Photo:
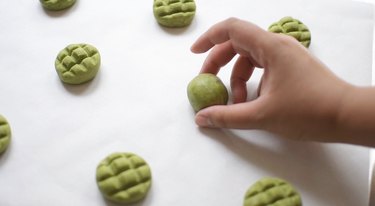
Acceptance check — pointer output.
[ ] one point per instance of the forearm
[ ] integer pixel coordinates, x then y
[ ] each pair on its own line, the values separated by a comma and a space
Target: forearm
356, 117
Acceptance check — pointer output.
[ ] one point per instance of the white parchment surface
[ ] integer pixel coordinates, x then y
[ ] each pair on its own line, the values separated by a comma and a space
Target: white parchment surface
137, 103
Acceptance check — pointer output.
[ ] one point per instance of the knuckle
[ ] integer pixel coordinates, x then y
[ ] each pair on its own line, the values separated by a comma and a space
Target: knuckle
232, 20
286, 40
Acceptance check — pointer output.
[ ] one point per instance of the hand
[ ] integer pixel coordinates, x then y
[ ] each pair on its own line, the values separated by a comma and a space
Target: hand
299, 96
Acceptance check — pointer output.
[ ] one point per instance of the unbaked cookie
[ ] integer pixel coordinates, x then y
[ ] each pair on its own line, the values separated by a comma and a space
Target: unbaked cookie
5, 134
206, 90
77, 63
123, 177
174, 13
272, 191
292, 27
56, 5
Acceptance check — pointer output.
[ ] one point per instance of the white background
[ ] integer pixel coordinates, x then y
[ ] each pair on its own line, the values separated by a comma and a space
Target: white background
137, 103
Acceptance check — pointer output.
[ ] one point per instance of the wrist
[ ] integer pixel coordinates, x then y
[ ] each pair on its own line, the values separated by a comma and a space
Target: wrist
356, 116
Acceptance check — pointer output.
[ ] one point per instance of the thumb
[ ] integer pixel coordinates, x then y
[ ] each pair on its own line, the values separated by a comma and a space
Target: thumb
245, 115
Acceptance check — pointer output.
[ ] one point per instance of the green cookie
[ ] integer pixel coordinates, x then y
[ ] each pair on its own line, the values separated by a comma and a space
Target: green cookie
123, 177
206, 90
294, 28
56, 5
5, 134
272, 192
77, 63
174, 13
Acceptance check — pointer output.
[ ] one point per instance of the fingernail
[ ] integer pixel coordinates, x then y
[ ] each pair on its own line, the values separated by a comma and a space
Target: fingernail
203, 121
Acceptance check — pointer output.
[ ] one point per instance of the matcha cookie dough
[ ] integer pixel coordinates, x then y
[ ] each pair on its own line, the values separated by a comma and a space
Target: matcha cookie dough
206, 90
77, 63
272, 191
4, 134
56, 5
294, 28
123, 177
174, 13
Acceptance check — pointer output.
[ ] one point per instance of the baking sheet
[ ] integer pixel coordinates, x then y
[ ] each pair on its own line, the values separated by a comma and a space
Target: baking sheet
137, 103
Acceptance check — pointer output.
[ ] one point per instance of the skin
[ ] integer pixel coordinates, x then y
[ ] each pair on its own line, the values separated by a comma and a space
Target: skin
299, 97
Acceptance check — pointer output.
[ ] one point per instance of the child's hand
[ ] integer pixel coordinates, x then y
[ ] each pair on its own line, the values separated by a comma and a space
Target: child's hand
299, 97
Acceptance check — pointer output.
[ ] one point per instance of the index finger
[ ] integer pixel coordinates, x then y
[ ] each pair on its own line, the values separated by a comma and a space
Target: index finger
243, 35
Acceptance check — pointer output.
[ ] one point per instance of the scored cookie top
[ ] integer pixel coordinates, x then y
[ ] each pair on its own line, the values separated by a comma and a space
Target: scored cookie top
272, 191
174, 13
5, 134
123, 177
77, 63
292, 27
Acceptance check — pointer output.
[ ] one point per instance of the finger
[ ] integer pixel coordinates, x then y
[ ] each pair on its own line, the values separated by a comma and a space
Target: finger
243, 35
259, 90
236, 116
219, 56
217, 34
241, 73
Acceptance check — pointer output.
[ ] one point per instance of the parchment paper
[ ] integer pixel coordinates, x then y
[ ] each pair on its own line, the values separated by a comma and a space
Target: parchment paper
137, 103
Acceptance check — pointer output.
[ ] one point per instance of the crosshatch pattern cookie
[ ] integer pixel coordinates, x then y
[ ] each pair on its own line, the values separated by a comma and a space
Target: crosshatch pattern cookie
272, 191
56, 5
77, 63
294, 28
4, 134
174, 13
123, 177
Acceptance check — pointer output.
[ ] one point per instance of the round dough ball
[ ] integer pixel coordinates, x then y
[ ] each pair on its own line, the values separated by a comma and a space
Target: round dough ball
56, 5
292, 27
77, 63
174, 13
206, 90
123, 177
5, 134
272, 191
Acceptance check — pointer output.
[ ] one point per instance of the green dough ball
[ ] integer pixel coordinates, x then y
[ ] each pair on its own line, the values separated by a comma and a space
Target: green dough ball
174, 13
272, 191
123, 177
294, 28
56, 5
206, 90
4, 134
77, 63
